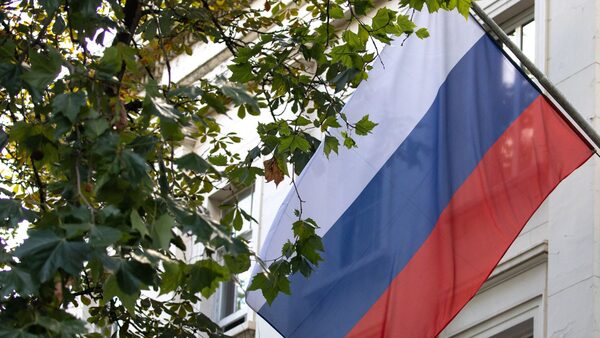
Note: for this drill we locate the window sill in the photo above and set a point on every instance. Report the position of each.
(237, 323)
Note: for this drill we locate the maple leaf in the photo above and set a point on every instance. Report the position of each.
(272, 171)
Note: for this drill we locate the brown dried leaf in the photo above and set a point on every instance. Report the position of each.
(272, 171)
(58, 291)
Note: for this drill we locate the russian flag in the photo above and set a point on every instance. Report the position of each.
(416, 218)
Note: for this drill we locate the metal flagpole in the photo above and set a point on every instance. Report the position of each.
(581, 122)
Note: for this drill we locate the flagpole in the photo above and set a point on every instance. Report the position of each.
(579, 120)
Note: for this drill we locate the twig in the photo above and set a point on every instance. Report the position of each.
(300, 200)
(353, 15)
(87, 291)
(40, 185)
(226, 38)
(165, 54)
(327, 27)
(87, 203)
(45, 25)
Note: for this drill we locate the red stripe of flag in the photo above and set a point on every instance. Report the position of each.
(479, 224)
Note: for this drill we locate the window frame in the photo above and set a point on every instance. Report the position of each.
(507, 12)
(243, 315)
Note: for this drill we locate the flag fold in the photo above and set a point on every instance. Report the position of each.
(416, 218)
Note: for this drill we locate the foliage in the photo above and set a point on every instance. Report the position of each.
(92, 141)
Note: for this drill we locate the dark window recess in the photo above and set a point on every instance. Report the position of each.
(234, 323)
(521, 330)
(228, 291)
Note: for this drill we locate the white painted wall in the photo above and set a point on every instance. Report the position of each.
(573, 265)
(567, 283)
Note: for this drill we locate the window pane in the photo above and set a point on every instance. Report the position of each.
(233, 293)
(515, 37)
(528, 40)
(227, 295)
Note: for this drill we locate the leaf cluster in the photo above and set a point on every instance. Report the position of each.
(96, 161)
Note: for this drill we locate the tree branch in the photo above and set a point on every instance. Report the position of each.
(230, 45)
(133, 13)
(40, 185)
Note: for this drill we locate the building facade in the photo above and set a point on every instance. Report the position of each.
(548, 283)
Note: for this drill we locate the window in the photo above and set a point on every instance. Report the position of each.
(521, 330)
(231, 302)
(523, 36)
(521, 30)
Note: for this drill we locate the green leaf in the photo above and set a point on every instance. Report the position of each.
(405, 24)
(169, 116)
(237, 263)
(103, 236)
(204, 276)
(241, 113)
(218, 160)
(17, 280)
(433, 5)
(10, 77)
(172, 277)
(261, 282)
(133, 275)
(288, 249)
(138, 224)
(45, 252)
(361, 7)
(111, 61)
(239, 95)
(293, 142)
(216, 102)
(463, 7)
(304, 228)
(69, 104)
(50, 6)
(200, 227)
(134, 166)
(383, 19)
(76, 229)
(354, 40)
(7, 49)
(331, 144)
(161, 231)
(302, 265)
(44, 69)
(86, 10)
(335, 11)
(191, 92)
(111, 289)
(159, 107)
(127, 55)
(97, 127)
(12, 213)
(195, 163)
(364, 126)
(348, 141)
(271, 284)
(59, 25)
(422, 33)
(310, 248)
(10, 332)
(344, 77)
(241, 73)
(70, 327)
